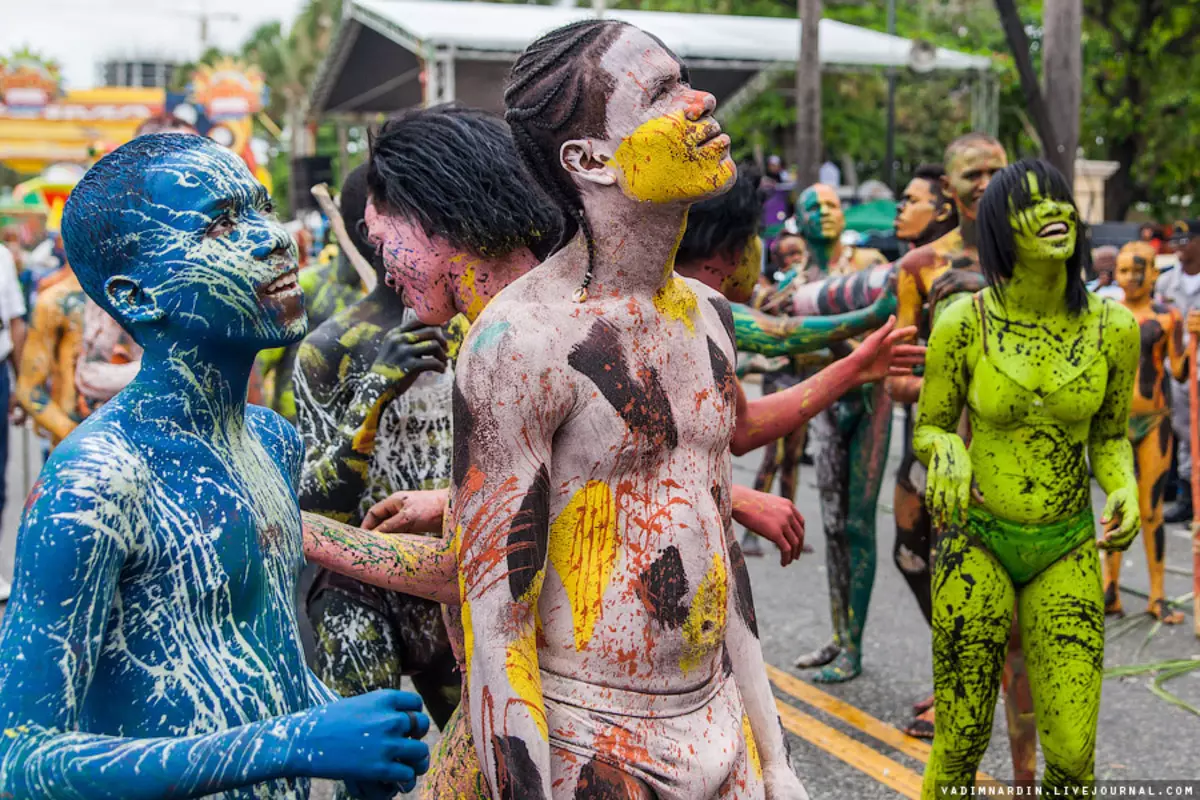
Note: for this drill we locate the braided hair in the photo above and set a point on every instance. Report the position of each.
(554, 94)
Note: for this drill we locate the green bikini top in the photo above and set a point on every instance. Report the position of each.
(1002, 401)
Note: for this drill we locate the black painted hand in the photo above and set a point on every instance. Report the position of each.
(955, 281)
(408, 351)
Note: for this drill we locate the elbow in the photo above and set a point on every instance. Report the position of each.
(740, 444)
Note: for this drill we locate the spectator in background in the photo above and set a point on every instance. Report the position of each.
(1181, 288)
(12, 340)
(1149, 233)
(829, 174)
(1104, 261)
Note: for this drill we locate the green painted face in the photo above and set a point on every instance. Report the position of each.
(1046, 229)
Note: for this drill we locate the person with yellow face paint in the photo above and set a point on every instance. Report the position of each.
(1161, 330)
(1046, 372)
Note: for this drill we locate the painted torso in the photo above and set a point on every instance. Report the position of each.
(1158, 325)
(200, 635)
(639, 483)
(917, 271)
(47, 381)
(1032, 394)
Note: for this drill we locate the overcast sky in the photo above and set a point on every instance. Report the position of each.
(81, 33)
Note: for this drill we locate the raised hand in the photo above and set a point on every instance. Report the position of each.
(408, 512)
(881, 353)
(366, 741)
(408, 351)
(772, 517)
(1121, 520)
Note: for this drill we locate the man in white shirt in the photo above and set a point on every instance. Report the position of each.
(1180, 288)
(12, 338)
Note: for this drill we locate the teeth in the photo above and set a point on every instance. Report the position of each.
(282, 284)
(1054, 229)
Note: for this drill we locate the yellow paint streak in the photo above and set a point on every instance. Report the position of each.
(739, 285)
(355, 335)
(855, 717)
(456, 332)
(583, 549)
(468, 631)
(751, 747)
(470, 293)
(521, 666)
(704, 628)
(677, 301)
(664, 160)
(359, 465)
(344, 367)
(855, 753)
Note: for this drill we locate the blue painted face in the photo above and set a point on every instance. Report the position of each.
(212, 265)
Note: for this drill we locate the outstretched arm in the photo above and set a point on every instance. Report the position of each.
(500, 515)
(943, 393)
(761, 333)
(766, 419)
(1109, 450)
(418, 565)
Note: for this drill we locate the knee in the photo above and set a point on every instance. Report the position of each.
(1070, 759)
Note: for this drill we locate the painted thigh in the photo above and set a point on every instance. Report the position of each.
(356, 650)
(789, 459)
(454, 772)
(1153, 456)
(833, 476)
(1061, 612)
(972, 614)
(912, 552)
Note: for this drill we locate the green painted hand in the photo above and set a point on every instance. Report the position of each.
(948, 487)
(1121, 520)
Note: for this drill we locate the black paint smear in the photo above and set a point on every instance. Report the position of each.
(1164, 431)
(641, 403)
(726, 315)
(1151, 332)
(664, 587)
(517, 776)
(528, 534)
(1159, 487)
(1160, 542)
(745, 600)
(723, 373)
(601, 781)
(463, 427)
(726, 662)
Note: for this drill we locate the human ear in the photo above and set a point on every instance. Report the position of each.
(945, 209)
(131, 301)
(584, 162)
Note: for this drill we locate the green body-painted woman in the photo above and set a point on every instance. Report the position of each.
(1046, 373)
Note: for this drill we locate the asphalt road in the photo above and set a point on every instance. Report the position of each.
(843, 739)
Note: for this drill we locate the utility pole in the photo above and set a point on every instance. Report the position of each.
(1062, 78)
(808, 94)
(890, 159)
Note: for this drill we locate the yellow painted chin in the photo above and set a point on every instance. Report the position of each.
(663, 161)
(738, 286)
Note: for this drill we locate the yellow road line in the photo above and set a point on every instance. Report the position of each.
(855, 717)
(858, 755)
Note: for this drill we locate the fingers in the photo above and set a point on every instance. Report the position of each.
(409, 752)
(883, 331)
(398, 700)
(397, 523)
(902, 333)
(381, 511)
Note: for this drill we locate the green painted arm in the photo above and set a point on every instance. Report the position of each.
(784, 336)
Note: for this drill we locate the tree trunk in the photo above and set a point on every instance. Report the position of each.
(808, 94)
(1120, 193)
(1062, 70)
(1018, 43)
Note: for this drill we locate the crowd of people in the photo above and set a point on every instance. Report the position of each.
(501, 464)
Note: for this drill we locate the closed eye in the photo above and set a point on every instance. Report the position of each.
(222, 224)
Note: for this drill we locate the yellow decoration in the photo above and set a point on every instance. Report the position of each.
(677, 301)
(740, 285)
(521, 666)
(667, 160)
(475, 303)
(751, 747)
(583, 550)
(704, 628)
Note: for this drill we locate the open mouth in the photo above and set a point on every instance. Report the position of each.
(283, 286)
(1053, 230)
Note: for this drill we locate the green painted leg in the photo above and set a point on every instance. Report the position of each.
(1061, 613)
(972, 615)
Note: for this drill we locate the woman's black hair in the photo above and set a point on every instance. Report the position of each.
(1009, 191)
(723, 224)
(555, 93)
(455, 172)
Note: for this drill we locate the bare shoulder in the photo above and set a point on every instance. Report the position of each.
(1121, 333)
(278, 436)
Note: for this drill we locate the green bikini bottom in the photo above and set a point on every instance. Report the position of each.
(1025, 549)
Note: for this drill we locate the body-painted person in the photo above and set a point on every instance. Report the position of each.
(1161, 332)
(373, 423)
(851, 440)
(721, 249)
(601, 583)
(1046, 372)
(151, 649)
(46, 380)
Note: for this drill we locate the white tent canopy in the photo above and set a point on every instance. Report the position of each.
(381, 59)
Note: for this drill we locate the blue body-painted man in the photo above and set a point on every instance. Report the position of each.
(150, 649)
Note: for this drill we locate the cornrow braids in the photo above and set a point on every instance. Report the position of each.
(556, 93)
